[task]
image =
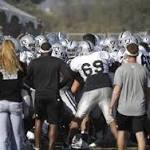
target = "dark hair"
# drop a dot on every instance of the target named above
(90, 37)
(46, 46)
(133, 48)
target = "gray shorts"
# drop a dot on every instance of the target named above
(90, 99)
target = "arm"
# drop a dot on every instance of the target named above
(65, 75)
(28, 82)
(115, 97)
(77, 83)
(75, 86)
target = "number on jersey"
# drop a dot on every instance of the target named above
(146, 61)
(95, 68)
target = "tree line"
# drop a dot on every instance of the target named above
(91, 16)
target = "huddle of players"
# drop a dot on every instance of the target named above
(94, 58)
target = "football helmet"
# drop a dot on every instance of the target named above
(85, 48)
(71, 49)
(137, 37)
(52, 38)
(128, 40)
(28, 42)
(123, 35)
(112, 43)
(58, 51)
(64, 42)
(39, 40)
(62, 36)
(146, 39)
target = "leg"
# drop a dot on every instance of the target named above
(17, 124)
(104, 105)
(4, 130)
(38, 130)
(141, 140)
(87, 102)
(40, 115)
(113, 128)
(121, 140)
(85, 124)
(85, 128)
(52, 135)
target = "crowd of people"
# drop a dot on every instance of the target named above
(51, 84)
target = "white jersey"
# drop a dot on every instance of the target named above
(144, 59)
(94, 63)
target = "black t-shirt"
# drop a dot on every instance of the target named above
(11, 85)
(47, 75)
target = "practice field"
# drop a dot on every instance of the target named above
(59, 147)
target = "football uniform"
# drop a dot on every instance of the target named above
(94, 69)
(144, 59)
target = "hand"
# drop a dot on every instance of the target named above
(73, 125)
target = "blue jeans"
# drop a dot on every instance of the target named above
(11, 125)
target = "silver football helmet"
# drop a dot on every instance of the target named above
(64, 42)
(52, 38)
(62, 36)
(128, 40)
(58, 51)
(112, 43)
(85, 48)
(98, 38)
(28, 42)
(123, 35)
(146, 39)
(71, 49)
(39, 40)
(137, 37)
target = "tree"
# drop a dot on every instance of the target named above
(37, 1)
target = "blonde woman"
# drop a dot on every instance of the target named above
(11, 76)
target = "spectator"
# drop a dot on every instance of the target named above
(130, 92)
(11, 77)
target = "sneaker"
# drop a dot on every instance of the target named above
(78, 143)
(92, 145)
(30, 135)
